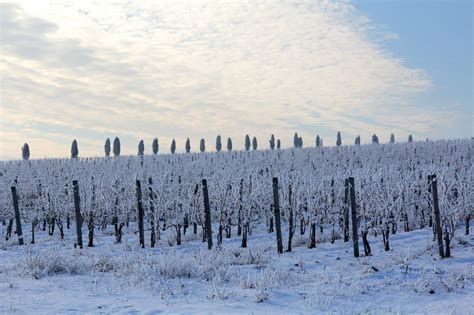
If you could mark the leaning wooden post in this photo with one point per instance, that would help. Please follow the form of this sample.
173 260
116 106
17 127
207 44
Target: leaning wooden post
434 195
77 206
140 215
355 236
207 211
17 215
276 207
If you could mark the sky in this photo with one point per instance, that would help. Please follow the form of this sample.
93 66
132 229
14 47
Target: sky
143 69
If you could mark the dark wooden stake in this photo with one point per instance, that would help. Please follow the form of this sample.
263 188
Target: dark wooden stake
346 210
291 228
435 205
355 236
276 207
141 230
77 206
207 211
17 216
152 210
33 231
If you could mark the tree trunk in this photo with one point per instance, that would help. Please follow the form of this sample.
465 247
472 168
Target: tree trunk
447 240
90 227
468 217
367 250
312 236
386 234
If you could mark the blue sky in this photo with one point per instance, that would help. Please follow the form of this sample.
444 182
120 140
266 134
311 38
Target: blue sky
172 70
436 36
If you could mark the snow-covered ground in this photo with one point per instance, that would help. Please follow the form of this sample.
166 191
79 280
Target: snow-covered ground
53 277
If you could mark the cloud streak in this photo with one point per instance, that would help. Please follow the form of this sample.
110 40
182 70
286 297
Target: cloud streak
173 70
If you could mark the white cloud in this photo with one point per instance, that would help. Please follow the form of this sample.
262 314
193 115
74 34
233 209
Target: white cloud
173 70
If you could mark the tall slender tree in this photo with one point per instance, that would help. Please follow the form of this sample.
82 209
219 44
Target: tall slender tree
107 147
272 142
188 146
300 142
375 139
229 144
155 146
202 145
278 144
339 139
74 149
116 147
173 147
410 138
25 151
247 142
296 140
218 143
318 141
254 143
357 140
392 138
141 148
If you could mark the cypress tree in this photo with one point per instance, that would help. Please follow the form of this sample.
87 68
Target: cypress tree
278 144
202 145
218 143
300 142
107 147
247 143
173 146
25 151
141 148
357 140
155 146
74 149
188 146
318 141
392 138
116 147
375 139
254 143
296 140
410 138
229 144
339 139
272 142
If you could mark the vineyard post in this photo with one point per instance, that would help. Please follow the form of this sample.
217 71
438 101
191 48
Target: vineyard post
355 237
140 214
207 211
152 210
77 206
276 207
346 210
17 215
435 205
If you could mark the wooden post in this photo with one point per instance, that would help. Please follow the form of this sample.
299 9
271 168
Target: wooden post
77 206
140 214
33 231
276 207
17 216
346 210
207 211
152 210
434 203
355 236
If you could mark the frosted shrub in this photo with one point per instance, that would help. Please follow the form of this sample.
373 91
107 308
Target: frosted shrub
51 261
